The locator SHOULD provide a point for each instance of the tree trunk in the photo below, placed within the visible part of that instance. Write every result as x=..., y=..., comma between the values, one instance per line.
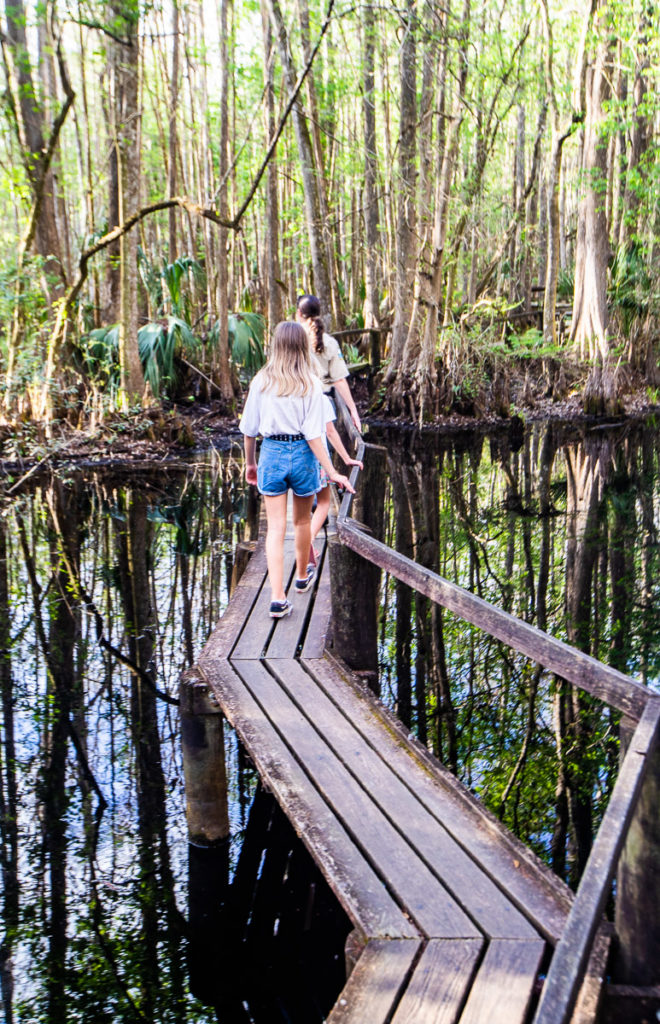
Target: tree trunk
x=31, y=128
x=173, y=136
x=559, y=136
x=370, y=201
x=640, y=136
x=590, y=317
x=406, y=191
x=272, y=227
x=221, y=368
x=127, y=113
x=319, y=161
x=311, y=186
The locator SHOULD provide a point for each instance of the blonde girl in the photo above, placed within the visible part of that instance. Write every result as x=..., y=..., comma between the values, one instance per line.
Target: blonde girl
x=285, y=406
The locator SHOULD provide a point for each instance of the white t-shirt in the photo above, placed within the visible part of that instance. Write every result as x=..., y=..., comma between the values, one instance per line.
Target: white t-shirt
x=266, y=413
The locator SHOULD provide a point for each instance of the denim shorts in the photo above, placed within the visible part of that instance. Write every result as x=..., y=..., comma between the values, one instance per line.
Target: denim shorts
x=284, y=464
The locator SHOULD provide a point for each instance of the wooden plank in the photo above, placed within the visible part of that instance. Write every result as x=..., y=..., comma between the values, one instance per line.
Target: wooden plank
x=534, y=889
x=440, y=983
x=231, y=625
x=505, y=982
x=290, y=631
x=487, y=905
x=259, y=626
x=232, y=621
x=358, y=888
x=319, y=624
x=415, y=887
x=256, y=567
x=570, y=959
x=600, y=680
x=374, y=985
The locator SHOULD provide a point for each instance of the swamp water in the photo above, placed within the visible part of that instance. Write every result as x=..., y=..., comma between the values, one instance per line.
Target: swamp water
x=109, y=586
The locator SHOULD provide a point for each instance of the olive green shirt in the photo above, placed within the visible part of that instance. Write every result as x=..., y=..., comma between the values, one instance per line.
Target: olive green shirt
x=329, y=364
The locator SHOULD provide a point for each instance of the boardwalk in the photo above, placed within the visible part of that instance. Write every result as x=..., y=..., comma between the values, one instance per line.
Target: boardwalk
x=456, y=918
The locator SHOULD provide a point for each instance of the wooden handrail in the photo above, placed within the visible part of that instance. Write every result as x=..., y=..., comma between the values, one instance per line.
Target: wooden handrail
x=572, y=951
x=602, y=681
x=349, y=331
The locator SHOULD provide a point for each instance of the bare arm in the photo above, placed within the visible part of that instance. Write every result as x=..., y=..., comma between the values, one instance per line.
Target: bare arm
x=335, y=440
x=319, y=449
x=342, y=387
x=250, y=459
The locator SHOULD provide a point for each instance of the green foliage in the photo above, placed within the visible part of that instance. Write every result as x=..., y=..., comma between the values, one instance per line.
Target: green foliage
x=631, y=287
x=175, y=276
x=565, y=284
x=350, y=353
x=169, y=286
x=34, y=310
x=99, y=350
x=159, y=346
x=246, y=340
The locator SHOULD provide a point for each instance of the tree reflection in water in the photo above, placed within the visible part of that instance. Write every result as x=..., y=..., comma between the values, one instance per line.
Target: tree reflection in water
x=109, y=588
x=559, y=528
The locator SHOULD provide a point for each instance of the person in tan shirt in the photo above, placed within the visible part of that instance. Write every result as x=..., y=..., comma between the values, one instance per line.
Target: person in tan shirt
x=326, y=354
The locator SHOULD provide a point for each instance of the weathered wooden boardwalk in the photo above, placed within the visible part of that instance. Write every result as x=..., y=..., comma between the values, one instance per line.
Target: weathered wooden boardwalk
x=458, y=920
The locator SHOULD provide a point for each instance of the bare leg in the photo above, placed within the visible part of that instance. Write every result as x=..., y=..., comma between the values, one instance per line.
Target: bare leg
x=276, y=519
x=302, y=512
x=321, y=511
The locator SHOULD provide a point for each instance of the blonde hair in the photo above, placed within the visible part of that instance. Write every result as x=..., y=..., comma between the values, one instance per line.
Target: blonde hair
x=289, y=367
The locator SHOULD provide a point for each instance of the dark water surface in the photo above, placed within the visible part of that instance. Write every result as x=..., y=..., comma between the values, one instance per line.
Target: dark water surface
x=559, y=527
x=109, y=586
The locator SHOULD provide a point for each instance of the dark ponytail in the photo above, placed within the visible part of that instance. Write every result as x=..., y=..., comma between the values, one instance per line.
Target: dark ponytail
x=310, y=308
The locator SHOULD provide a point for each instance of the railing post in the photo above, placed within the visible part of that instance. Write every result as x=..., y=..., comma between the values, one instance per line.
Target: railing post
x=207, y=815
x=354, y=581
x=374, y=353
x=637, y=916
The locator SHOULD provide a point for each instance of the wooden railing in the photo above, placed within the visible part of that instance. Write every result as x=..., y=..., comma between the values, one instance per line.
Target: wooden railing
x=615, y=688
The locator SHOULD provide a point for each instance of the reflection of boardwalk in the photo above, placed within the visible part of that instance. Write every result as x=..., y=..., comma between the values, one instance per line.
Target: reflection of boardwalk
x=457, y=919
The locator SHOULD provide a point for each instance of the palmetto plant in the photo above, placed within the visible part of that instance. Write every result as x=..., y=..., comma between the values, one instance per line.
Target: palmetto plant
x=170, y=337
x=246, y=340
x=168, y=285
x=159, y=344
x=631, y=287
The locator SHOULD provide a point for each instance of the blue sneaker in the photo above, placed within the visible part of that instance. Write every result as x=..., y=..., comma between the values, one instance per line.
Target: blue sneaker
x=278, y=609
x=304, y=584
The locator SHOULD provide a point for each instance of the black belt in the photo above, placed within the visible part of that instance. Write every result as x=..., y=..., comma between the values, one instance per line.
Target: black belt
x=285, y=437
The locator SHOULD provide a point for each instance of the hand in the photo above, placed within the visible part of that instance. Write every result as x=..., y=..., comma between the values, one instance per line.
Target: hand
x=356, y=420
x=251, y=473
x=353, y=462
x=343, y=482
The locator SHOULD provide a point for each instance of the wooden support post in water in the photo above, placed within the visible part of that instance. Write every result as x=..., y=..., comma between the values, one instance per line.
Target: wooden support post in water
x=242, y=553
x=203, y=746
x=355, y=582
x=207, y=814
x=637, y=919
